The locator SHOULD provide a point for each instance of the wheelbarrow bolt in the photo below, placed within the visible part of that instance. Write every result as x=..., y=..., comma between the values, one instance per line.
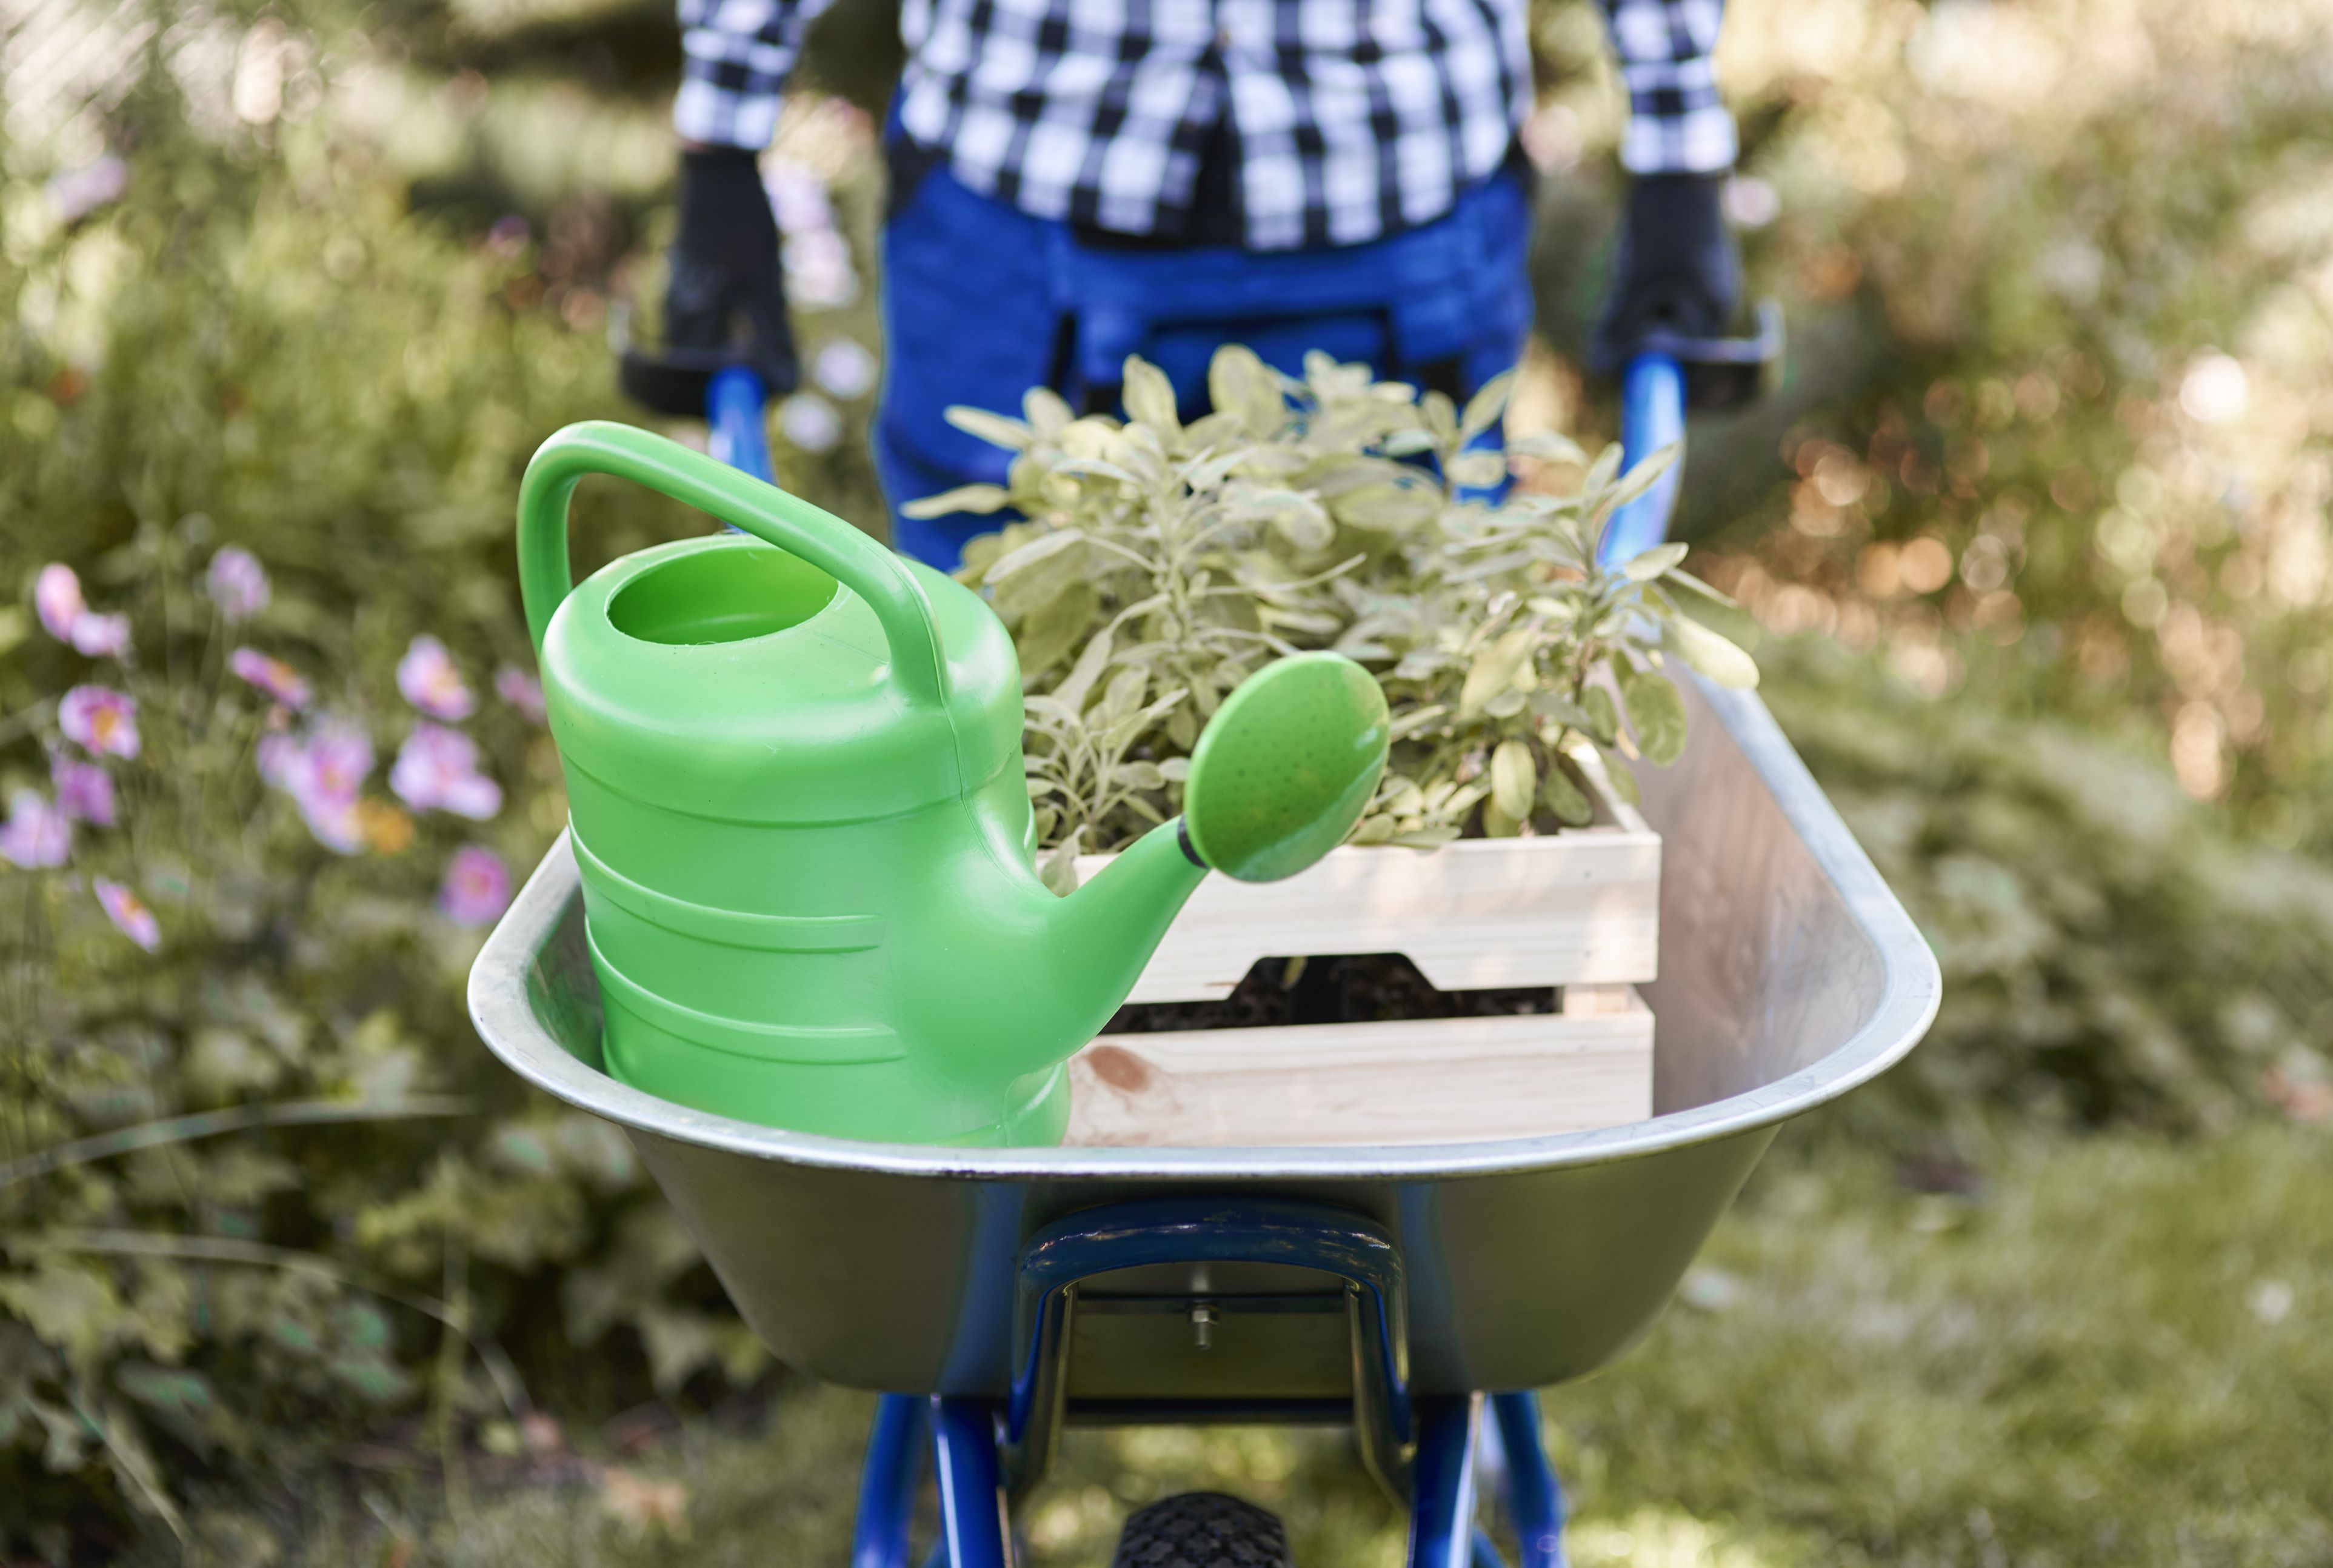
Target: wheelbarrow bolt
x=1203, y=1323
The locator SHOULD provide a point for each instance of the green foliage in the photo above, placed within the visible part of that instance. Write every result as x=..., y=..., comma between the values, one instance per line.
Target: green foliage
x=2053, y=434
x=2109, y=953
x=1161, y=564
x=264, y=1180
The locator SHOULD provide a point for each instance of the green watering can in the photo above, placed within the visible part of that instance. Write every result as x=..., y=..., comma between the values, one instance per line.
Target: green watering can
x=798, y=809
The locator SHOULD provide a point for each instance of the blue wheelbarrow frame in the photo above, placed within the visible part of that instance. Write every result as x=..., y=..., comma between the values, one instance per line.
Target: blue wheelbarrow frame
x=1423, y=1448
x=1847, y=989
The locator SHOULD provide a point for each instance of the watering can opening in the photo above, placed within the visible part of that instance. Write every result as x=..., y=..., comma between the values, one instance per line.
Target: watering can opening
x=745, y=590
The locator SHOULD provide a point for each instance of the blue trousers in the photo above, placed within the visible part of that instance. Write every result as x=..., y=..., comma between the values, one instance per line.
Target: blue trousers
x=981, y=302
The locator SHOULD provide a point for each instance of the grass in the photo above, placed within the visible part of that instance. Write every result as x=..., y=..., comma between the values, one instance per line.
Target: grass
x=2115, y=1351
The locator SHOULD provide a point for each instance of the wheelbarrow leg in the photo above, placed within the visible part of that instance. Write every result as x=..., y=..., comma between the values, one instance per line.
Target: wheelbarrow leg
x=972, y=1497
x=887, y=1485
x=1534, y=1500
x=1442, y=1529
x=1442, y=1482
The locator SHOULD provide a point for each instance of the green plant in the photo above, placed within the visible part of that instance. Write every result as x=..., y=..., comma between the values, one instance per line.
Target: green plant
x=1159, y=563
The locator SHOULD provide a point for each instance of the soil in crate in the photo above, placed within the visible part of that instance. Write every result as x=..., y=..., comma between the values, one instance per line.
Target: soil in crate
x=1354, y=988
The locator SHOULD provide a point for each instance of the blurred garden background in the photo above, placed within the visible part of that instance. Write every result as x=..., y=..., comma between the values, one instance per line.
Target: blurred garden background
x=2033, y=543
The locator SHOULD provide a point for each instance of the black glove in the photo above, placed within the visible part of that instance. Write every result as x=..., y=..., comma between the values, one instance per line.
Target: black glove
x=1676, y=268
x=727, y=297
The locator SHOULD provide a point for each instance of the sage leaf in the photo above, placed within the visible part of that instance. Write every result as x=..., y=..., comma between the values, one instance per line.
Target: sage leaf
x=1306, y=527
x=1486, y=407
x=1075, y=686
x=1565, y=798
x=1477, y=470
x=1687, y=580
x=962, y=498
x=1657, y=712
x=1408, y=443
x=1494, y=669
x=1600, y=472
x=1640, y=478
x=996, y=429
x=1150, y=397
x=1059, y=870
x=1603, y=719
x=1546, y=447
x=1047, y=411
x=1651, y=563
x=1241, y=383
x=1036, y=550
x=1622, y=778
x=1514, y=779
x=1711, y=654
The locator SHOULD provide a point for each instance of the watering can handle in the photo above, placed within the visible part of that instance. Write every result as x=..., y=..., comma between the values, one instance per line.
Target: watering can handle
x=762, y=510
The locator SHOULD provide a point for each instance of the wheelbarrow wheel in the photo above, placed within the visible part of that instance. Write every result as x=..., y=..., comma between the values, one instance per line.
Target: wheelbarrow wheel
x=1201, y=1530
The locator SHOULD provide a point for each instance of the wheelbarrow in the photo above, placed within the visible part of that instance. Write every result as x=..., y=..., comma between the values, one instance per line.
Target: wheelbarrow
x=1416, y=1292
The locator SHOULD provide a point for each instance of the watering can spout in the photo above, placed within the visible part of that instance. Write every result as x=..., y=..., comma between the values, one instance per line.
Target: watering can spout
x=1280, y=773
x=1105, y=931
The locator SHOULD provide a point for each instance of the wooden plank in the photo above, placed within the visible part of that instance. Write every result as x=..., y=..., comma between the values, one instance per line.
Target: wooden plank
x=1567, y=909
x=1428, y=1080
x=1589, y=1001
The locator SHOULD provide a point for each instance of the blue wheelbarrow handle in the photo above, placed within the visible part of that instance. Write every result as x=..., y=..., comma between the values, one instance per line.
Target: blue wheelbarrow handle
x=1652, y=416
x=734, y=401
x=1665, y=373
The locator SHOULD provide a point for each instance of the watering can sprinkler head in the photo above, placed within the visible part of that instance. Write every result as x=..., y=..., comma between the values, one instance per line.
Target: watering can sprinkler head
x=1286, y=767
x=804, y=828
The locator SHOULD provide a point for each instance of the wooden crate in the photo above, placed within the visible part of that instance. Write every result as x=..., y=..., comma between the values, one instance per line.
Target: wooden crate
x=1579, y=909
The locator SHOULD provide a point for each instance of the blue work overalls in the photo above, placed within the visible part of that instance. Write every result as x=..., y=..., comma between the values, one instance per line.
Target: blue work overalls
x=981, y=302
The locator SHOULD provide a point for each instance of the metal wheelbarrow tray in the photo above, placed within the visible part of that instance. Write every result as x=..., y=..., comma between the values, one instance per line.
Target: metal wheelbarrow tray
x=1327, y=1282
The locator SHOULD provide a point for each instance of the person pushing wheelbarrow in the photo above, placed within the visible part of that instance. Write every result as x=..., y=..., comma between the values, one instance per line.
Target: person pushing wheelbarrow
x=1073, y=181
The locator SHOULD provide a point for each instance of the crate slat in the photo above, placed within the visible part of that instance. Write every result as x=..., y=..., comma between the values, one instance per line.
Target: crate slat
x=1576, y=908
x=1426, y=1081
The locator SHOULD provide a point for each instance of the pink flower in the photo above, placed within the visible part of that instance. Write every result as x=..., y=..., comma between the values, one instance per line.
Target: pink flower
x=336, y=759
x=279, y=753
x=56, y=598
x=477, y=887
x=36, y=833
x=334, y=824
x=84, y=791
x=427, y=677
x=437, y=769
x=100, y=720
x=102, y=636
x=128, y=913
x=238, y=583
x=322, y=774
x=272, y=676
x=521, y=690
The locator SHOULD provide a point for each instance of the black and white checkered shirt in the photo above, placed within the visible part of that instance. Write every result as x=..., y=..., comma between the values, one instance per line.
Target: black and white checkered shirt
x=1349, y=119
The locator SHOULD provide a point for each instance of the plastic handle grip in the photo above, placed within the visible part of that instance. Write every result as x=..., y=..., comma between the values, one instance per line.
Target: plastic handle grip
x=764, y=511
